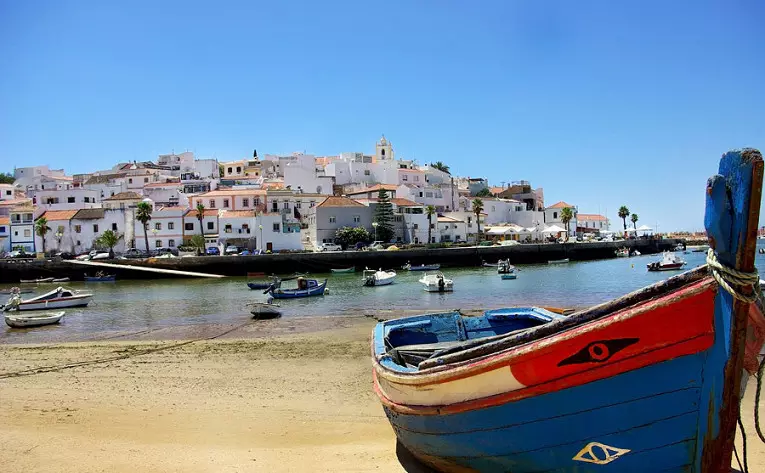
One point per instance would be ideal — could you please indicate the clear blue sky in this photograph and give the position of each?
(602, 103)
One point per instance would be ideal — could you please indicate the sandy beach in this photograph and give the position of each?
(260, 397)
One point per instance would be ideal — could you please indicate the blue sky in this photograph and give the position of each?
(602, 103)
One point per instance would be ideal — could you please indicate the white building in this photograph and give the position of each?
(209, 226)
(553, 216)
(73, 198)
(231, 199)
(88, 224)
(302, 174)
(166, 194)
(34, 178)
(5, 234)
(7, 192)
(22, 228)
(591, 223)
(334, 213)
(449, 229)
(164, 230)
(106, 185)
(264, 231)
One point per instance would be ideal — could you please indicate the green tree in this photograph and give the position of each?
(634, 219)
(624, 212)
(143, 215)
(198, 242)
(485, 192)
(477, 209)
(41, 229)
(221, 170)
(6, 178)
(566, 215)
(109, 239)
(348, 236)
(384, 217)
(440, 166)
(430, 211)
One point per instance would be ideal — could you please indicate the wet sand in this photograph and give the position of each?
(260, 397)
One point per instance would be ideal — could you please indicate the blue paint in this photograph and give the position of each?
(313, 289)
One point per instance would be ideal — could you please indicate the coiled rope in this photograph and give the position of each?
(744, 287)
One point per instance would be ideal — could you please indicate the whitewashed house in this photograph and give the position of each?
(7, 192)
(334, 213)
(68, 199)
(164, 230)
(553, 216)
(449, 229)
(88, 224)
(5, 234)
(209, 226)
(231, 199)
(22, 228)
(166, 194)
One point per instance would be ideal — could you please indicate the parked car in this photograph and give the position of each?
(231, 250)
(213, 251)
(329, 247)
(132, 253)
(376, 246)
(19, 254)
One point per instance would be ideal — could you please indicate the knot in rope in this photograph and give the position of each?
(733, 280)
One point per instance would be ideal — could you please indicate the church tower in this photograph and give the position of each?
(383, 150)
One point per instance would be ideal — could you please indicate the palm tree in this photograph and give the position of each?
(565, 216)
(430, 210)
(441, 167)
(41, 228)
(143, 215)
(624, 212)
(201, 217)
(634, 219)
(477, 209)
(109, 239)
(198, 242)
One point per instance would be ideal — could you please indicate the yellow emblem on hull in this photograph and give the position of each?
(598, 453)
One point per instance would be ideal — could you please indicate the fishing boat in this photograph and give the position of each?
(422, 267)
(58, 298)
(558, 261)
(489, 265)
(650, 381)
(504, 267)
(669, 262)
(352, 269)
(33, 320)
(306, 288)
(265, 310)
(377, 278)
(622, 252)
(101, 277)
(437, 283)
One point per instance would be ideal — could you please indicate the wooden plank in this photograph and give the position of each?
(146, 269)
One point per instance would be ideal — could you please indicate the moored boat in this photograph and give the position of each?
(648, 382)
(504, 267)
(377, 278)
(669, 262)
(512, 275)
(422, 267)
(265, 310)
(558, 261)
(33, 320)
(58, 298)
(100, 277)
(352, 269)
(622, 252)
(437, 283)
(36, 281)
(306, 288)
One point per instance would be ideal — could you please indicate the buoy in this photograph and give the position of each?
(326, 291)
(633, 265)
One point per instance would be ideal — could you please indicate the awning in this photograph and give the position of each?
(553, 229)
(644, 228)
(498, 231)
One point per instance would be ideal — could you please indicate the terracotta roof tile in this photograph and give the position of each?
(163, 184)
(125, 196)
(561, 205)
(335, 201)
(5, 220)
(401, 202)
(232, 192)
(52, 215)
(89, 214)
(375, 188)
(591, 217)
(208, 213)
(237, 213)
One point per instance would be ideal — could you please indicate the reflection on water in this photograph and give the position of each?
(141, 305)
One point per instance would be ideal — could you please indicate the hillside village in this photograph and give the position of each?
(272, 203)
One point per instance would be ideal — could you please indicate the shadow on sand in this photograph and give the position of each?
(409, 462)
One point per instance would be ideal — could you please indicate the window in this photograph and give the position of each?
(245, 202)
(158, 226)
(78, 229)
(171, 243)
(238, 169)
(366, 172)
(276, 228)
(297, 204)
(70, 200)
(78, 243)
(145, 180)
(404, 177)
(114, 227)
(130, 181)
(158, 243)
(312, 204)
(225, 203)
(170, 226)
(95, 228)
(87, 200)
(286, 205)
(8, 192)
(415, 226)
(555, 215)
(356, 218)
(230, 170)
(2, 229)
(188, 226)
(227, 229)
(332, 219)
(27, 233)
(212, 203)
(416, 178)
(256, 201)
(275, 206)
(210, 225)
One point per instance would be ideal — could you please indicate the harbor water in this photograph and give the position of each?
(131, 306)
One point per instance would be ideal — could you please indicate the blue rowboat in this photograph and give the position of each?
(306, 288)
(106, 278)
(512, 275)
(422, 267)
(648, 382)
(259, 285)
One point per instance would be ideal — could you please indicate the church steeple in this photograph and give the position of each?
(383, 150)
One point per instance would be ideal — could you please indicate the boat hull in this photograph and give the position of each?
(259, 285)
(263, 311)
(299, 293)
(111, 278)
(432, 267)
(558, 261)
(59, 303)
(343, 270)
(509, 276)
(666, 267)
(16, 321)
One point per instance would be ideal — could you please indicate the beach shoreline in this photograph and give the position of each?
(268, 396)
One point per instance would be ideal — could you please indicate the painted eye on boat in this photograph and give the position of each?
(599, 351)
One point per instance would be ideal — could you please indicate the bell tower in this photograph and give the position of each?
(383, 150)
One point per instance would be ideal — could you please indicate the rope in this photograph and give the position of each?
(733, 280)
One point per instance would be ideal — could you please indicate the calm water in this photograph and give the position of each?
(141, 305)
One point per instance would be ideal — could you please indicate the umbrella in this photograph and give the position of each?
(644, 228)
(553, 229)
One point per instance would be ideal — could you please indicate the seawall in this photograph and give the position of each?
(13, 271)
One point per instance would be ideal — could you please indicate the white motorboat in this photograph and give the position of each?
(669, 262)
(437, 283)
(59, 298)
(636, 253)
(378, 278)
(34, 320)
(504, 267)
(622, 253)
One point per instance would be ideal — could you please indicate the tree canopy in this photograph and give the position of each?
(348, 236)
(440, 166)
(6, 178)
(485, 192)
(384, 217)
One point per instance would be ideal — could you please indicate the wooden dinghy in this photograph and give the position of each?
(33, 320)
(648, 382)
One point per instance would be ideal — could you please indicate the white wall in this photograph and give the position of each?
(69, 199)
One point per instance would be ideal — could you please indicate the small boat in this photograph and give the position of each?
(101, 255)
(352, 269)
(635, 252)
(651, 381)
(306, 288)
(512, 275)
(101, 277)
(679, 247)
(558, 261)
(264, 284)
(378, 278)
(504, 267)
(622, 252)
(437, 283)
(489, 265)
(700, 249)
(36, 281)
(265, 310)
(33, 320)
(761, 251)
(422, 267)
(669, 262)
(55, 299)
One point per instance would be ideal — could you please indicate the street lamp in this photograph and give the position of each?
(261, 237)
(374, 224)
